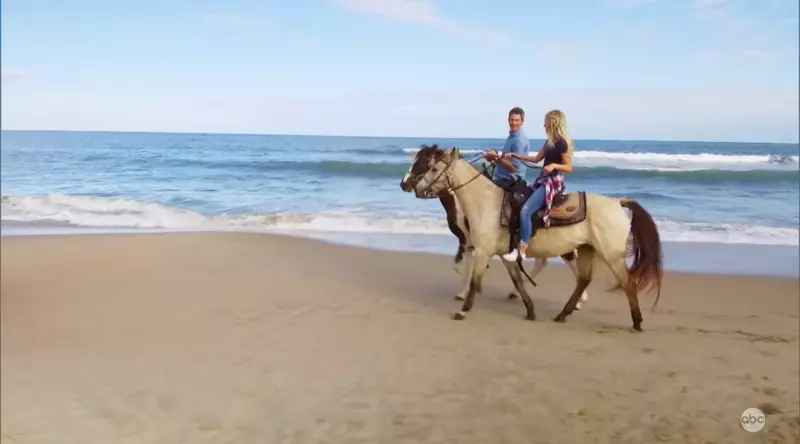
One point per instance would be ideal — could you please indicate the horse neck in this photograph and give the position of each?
(474, 195)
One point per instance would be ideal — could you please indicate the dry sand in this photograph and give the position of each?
(236, 338)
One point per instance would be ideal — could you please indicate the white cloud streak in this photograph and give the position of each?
(425, 13)
(421, 13)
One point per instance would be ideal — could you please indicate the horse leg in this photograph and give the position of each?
(465, 272)
(479, 261)
(450, 206)
(636, 314)
(619, 267)
(585, 263)
(569, 259)
(516, 277)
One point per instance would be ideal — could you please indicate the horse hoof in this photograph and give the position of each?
(459, 297)
(459, 316)
(560, 319)
(530, 317)
(636, 329)
(512, 296)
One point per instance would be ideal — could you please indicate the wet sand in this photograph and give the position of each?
(244, 338)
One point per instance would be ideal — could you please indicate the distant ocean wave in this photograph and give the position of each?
(106, 212)
(587, 170)
(674, 162)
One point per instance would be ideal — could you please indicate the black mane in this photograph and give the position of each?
(428, 151)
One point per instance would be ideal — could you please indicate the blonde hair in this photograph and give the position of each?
(555, 124)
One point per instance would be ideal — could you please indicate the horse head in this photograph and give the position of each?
(427, 174)
(423, 156)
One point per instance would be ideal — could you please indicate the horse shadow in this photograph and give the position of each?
(438, 292)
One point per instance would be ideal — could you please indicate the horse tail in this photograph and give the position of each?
(646, 270)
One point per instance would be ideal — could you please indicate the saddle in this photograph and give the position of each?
(566, 209)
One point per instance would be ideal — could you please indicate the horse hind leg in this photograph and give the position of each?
(619, 267)
(585, 264)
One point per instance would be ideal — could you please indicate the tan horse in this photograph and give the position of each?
(459, 226)
(601, 227)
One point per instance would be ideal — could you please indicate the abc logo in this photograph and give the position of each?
(753, 419)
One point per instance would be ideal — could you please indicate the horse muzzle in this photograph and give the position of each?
(405, 184)
(427, 194)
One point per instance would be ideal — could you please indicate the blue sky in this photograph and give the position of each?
(620, 69)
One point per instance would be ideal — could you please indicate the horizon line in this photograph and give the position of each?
(215, 133)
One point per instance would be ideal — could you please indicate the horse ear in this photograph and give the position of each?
(454, 154)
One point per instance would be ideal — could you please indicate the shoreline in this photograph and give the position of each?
(235, 337)
(727, 259)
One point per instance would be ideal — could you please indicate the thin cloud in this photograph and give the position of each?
(733, 27)
(232, 19)
(754, 54)
(711, 4)
(720, 14)
(420, 13)
(555, 49)
(13, 73)
(762, 54)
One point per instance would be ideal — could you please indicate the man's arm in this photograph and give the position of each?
(532, 159)
(505, 160)
(516, 149)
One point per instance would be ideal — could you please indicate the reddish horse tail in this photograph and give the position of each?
(646, 271)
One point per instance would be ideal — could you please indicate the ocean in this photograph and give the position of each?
(720, 207)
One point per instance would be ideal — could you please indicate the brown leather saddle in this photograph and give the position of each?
(567, 209)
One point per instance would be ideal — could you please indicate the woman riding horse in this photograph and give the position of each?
(557, 154)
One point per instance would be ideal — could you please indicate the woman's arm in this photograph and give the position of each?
(532, 159)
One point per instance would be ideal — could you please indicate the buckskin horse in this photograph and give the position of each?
(459, 226)
(593, 224)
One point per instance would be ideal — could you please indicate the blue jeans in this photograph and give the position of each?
(534, 203)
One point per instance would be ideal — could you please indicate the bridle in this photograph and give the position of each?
(447, 172)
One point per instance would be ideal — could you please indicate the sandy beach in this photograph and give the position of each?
(246, 338)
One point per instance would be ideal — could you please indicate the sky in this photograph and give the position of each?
(716, 70)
